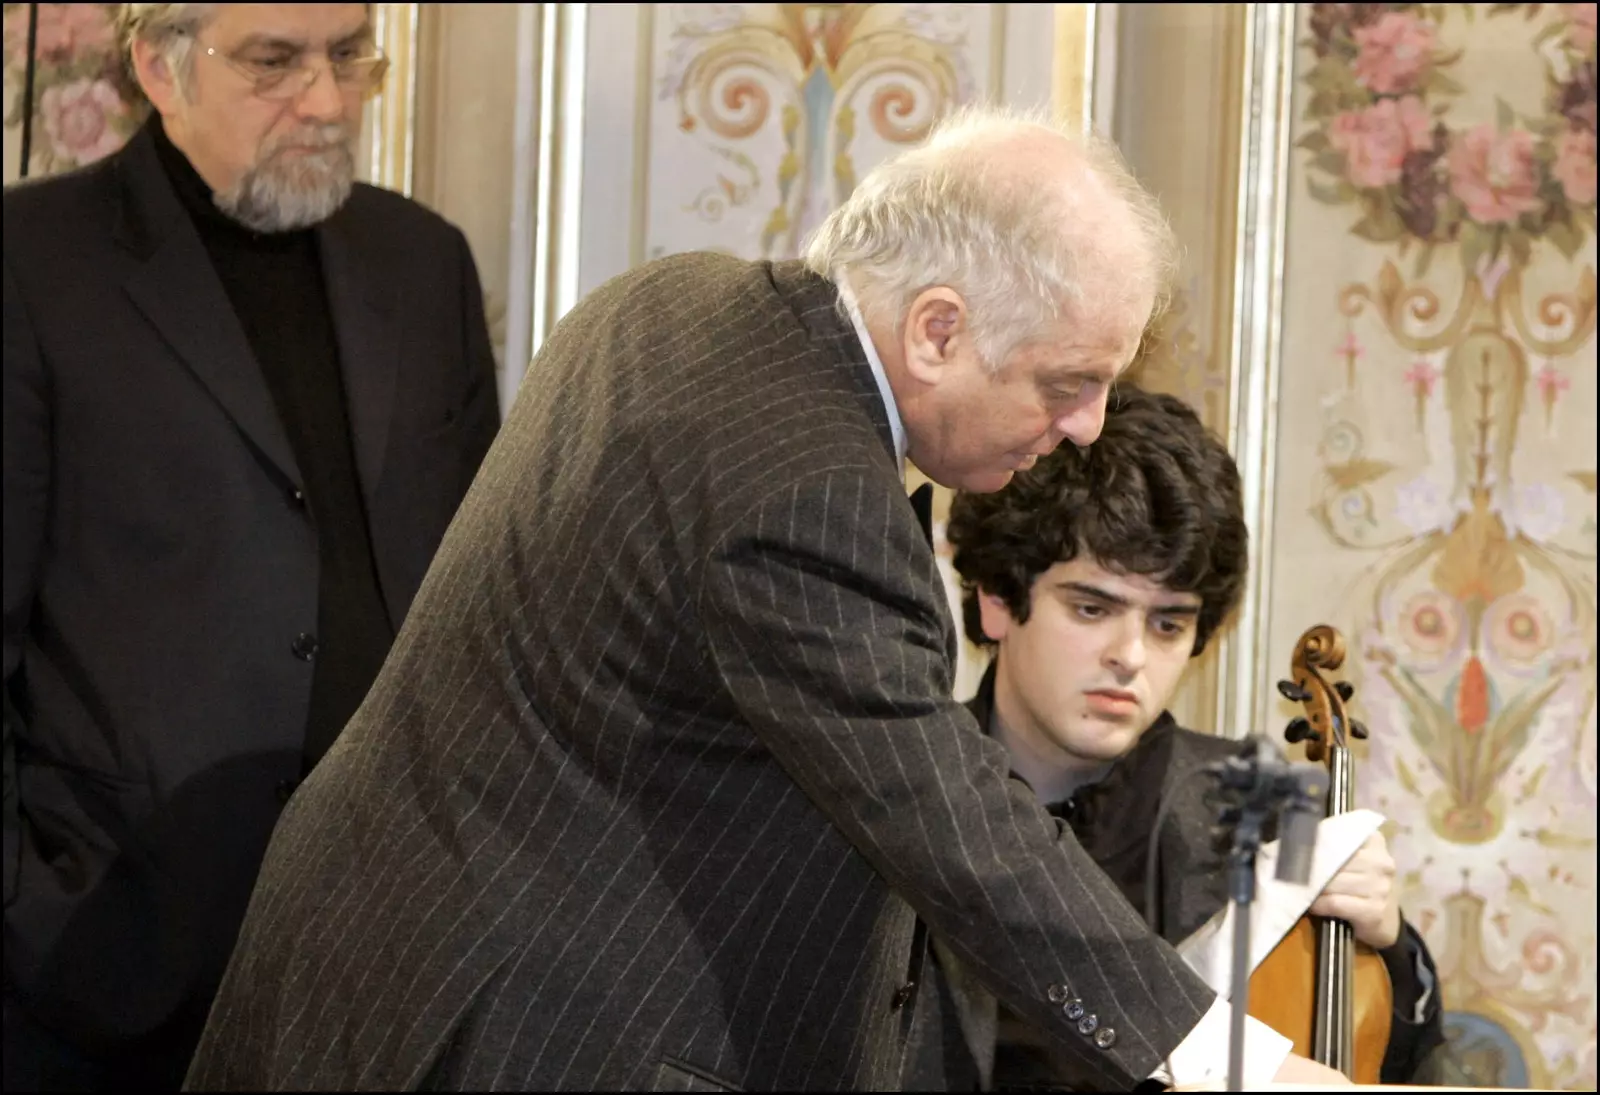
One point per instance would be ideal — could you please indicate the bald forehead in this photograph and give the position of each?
(1030, 157)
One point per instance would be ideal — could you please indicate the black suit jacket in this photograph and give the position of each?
(664, 764)
(159, 564)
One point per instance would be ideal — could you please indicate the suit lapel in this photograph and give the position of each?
(368, 332)
(179, 292)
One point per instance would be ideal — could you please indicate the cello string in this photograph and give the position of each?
(1346, 992)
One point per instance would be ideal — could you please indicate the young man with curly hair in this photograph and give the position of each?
(1096, 576)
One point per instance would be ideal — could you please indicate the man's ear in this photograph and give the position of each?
(936, 323)
(995, 616)
(156, 78)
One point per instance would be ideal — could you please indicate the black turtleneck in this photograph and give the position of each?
(275, 284)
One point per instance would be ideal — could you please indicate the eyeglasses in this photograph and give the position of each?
(280, 80)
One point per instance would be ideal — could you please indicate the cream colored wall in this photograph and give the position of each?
(1176, 110)
(466, 75)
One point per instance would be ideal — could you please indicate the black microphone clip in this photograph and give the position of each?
(1259, 781)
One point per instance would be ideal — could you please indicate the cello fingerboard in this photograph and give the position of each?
(1332, 1041)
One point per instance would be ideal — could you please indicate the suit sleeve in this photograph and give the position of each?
(822, 615)
(27, 499)
(1417, 1027)
(481, 408)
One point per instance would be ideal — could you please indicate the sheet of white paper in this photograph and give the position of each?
(1278, 905)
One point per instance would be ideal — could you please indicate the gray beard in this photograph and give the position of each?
(284, 193)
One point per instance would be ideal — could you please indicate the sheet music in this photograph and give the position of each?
(1278, 906)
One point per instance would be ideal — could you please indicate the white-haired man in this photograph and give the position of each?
(662, 783)
(243, 398)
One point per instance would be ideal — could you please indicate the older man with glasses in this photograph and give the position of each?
(243, 399)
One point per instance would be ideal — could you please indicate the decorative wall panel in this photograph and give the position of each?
(763, 116)
(80, 110)
(1435, 484)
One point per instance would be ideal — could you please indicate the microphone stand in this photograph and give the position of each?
(1242, 892)
(1256, 785)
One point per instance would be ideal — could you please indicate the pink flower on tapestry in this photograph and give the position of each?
(1395, 52)
(1580, 26)
(1494, 174)
(1574, 167)
(1375, 141)
(78, 117)
(1422, 376)
(1551, 383)
(64, 30)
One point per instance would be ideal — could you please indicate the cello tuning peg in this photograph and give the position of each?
(1298, 730)
(1358, 729)
(1345, 689)
(1293, 692)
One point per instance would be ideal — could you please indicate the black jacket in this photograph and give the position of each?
(161, 566)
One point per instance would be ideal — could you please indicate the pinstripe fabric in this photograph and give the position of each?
(663, 752)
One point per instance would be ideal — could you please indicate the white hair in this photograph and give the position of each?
(169, 29)
(1021, 249)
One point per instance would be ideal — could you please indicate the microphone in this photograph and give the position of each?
(1261, 781)
(1297, 823)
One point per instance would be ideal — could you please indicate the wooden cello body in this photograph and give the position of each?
(1320, 987)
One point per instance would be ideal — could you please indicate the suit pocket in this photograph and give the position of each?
(87, 907)
(675, 1075)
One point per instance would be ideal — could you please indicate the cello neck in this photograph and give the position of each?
(1341, 781)
(1333, 1043)
(1327, 729)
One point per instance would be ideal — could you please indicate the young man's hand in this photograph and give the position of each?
(1363, 894)
(1302, 1070)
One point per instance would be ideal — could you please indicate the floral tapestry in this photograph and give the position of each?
(1435, 490)
(81, 110)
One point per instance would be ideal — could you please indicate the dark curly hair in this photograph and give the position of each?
(1157, 495)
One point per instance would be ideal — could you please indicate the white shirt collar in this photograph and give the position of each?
(896, 427)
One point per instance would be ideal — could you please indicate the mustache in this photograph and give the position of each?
(317, 138)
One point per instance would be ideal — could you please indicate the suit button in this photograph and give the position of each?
(1105, 1038)
(297, 498)
(1073, 1009)
(1088, 1025)
(305, 646)
(1057, 994)
(286, 789)
(902, 995)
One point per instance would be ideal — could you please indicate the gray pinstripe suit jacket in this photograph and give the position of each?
(664, 757)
